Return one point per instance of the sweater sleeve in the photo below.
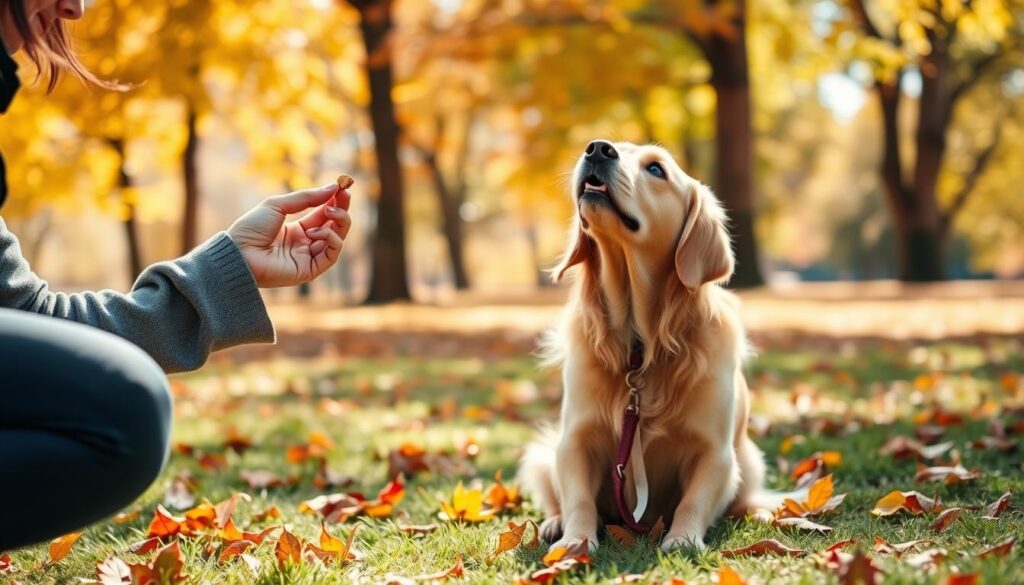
(178, 311)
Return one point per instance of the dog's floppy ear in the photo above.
(580, 248)
(703, 253)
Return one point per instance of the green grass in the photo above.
(373, 406)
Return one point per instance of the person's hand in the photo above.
(286, 254)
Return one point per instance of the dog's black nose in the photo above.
(599, 150)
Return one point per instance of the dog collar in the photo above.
(631, 448)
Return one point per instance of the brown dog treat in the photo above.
(345, 181)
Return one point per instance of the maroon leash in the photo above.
(630, 423)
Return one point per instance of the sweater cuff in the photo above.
(237, 313)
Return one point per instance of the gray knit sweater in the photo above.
(177, 311)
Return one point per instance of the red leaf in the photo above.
(944, 519)
(999, 550)
(235, 548)
(149, 545)
(996, 508)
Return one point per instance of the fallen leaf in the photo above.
(578, 550)
(819, 500)
(1001, 549)
(418, 528)
(167, 566)
(802, 524)
(819, 460)
(764, 547)
(996, 508)
(623, 535)
(258, 479)
(841, 544)
(902, 447)
(455, 572)
(962, 579)
(1000, 444)
(466, 506)
(884, 548)
(727, 576)
(912, 502)
(946, 474)
(513, 537)
(927, 559)
(6, 566)
(125, 517)
(61, 546)
(145, 546)
(178, 496)
(944, 519)
(113, 571)
(164, 523)
(288, 549)
(235, 548)
(501, 498)
(859, 570)
(271, 513)
(237, 442)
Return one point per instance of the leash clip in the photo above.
(633, 382)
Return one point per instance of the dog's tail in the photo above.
(753, 499)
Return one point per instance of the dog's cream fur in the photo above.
(660, 283)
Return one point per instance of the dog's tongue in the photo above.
(589, 186)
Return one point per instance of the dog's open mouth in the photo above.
(594, 190)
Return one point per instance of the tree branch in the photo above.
(860, 12)
(971, 181)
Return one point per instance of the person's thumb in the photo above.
(301, 200)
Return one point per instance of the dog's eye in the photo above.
(656, 169)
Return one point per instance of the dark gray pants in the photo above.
(84, 426)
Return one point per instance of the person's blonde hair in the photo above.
(51, 53)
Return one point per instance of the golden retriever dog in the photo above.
(650, 249)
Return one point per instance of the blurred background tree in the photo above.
(848, 139)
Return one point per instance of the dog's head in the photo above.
(637, 199)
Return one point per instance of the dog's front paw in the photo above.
(551, 529)
(681, 541)
(574, 545)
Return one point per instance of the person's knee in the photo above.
(143, 418)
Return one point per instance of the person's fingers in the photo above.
(341, 223)
(344, 199)
(320, 215)
(301, 200)
(316, 247)
(326, 257)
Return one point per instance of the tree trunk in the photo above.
(129, 223)
(734, 141)
(190, 219)
(388, 278)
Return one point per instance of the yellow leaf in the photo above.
(820, 494)
(889, 504)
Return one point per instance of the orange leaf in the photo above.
(288, 549)
(962, 579)
(61, 546)
(392, 493)
(764, 547)
(230, 533)
(164, 523)
(235, 548)
(271, 513)
(125, 517)
(727, 576)
(512, 537)
(455, 571)
(820, 493)
(625, 536)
